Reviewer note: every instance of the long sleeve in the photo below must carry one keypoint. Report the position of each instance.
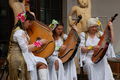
(21, 38)
(82, 43)
(82, 37)
(110, 52)
(65, 36)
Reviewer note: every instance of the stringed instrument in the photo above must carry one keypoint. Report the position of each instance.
(39, 31)
(72, 43)
(36, 31)
(104, 42)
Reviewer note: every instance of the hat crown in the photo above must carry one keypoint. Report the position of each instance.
(93, 22)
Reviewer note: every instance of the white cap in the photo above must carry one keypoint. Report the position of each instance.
(93, 22)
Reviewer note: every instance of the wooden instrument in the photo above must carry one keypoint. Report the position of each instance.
(103, 43)
(41, 31)
(72, 43)
(37, 30)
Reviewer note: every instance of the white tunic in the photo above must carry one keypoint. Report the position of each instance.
(101, 70)
(56, 75)
(22, 39)
(70, 70)
(66, 72)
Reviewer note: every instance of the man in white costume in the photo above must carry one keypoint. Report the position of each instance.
(100, 70)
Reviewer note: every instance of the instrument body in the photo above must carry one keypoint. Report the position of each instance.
(39, 30)
(72, 43)
(104, 42)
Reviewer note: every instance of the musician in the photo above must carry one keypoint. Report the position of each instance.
(89, 41)
(57, 70)
(20, 50)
